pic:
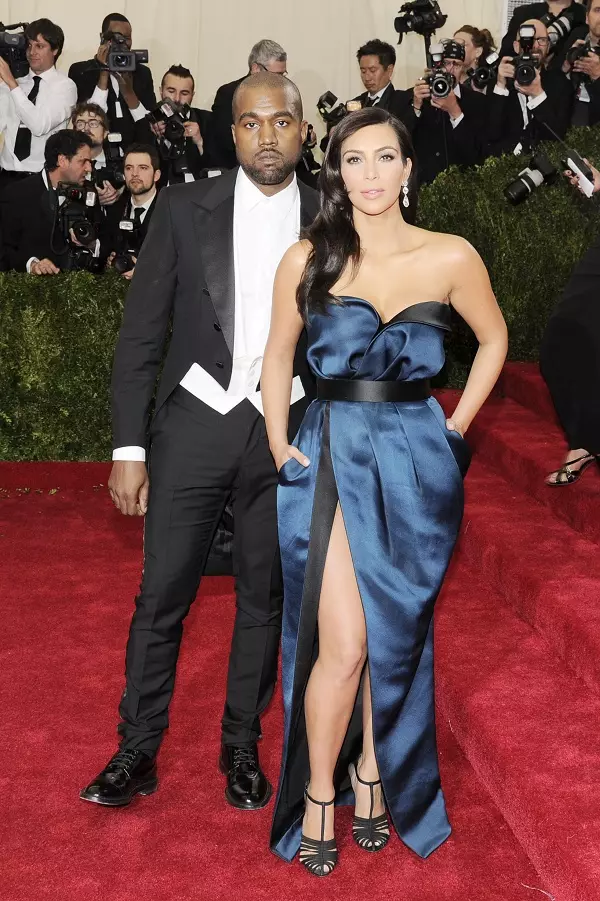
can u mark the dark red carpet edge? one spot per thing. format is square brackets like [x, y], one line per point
[71, 568]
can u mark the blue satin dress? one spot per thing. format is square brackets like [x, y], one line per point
[397, 473]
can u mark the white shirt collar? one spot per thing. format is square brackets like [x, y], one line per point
[143, 206]
[48, 75]
[379, 94]
[248, 196]
[457, 90]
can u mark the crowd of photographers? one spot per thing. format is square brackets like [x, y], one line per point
[84, 155]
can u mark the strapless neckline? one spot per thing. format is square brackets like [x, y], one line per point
[400, 313]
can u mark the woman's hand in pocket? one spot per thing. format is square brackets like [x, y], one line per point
[289, 452]
[454, 426]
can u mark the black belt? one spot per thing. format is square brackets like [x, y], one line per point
[374, 392]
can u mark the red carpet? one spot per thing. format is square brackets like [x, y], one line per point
[518, 686]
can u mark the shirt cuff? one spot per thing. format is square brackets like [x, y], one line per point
[417, 112]
[100, 97]
[30, 263]
[532, 102]
[502, 92]
[140, 112]
[458, 120]
[131, 453]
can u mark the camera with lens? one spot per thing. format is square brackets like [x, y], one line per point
[559, 26]
[129, 243]
[13, 49]
[442, 83]
[75, 221]
[112, 171]
[174, 116]
[539, 172]
[526, 64]
[580, 52]
[333, 110]
[486, 72]
[120, 57]
[422, 17]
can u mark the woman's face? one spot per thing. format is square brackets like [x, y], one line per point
[472, 53]
[373, 169]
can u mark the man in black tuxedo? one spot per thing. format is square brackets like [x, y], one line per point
[127, 97]
[28, 207]
[447, 131]
[177, 86]
[574, 11]
[208, 263]
[376, 61]
[518, 114]
[585, 73]
[265, 56]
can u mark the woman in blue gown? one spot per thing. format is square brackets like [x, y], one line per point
[371, 495]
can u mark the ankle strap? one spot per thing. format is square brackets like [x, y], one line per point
[363, 781]
[320, 803]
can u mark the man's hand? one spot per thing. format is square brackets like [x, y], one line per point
[506, 70]
[534, 89]
[192, 130]
[421, 92]
[574, 179]
[108, 195]
[6, 75]
[43, 267]
[128, 487]
[129, 275]
[589, 65]
[102, 54]
[567, 66]
[158, 129]
[125, 80]
[449, 104]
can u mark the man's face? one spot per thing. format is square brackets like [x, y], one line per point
[593, 20]
[374, 76]
[278, 67]
[75, 170]
[139, 174]
[92, 126]
[541, 45]
[123, 28]
[179, 90]
[40, 55]
[268, 138]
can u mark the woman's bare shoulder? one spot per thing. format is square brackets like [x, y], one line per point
[295, 258]
[451, 248]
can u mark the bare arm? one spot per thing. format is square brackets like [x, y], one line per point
[472, 297]
[278, 363]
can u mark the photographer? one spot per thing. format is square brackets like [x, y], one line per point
[141, 167]
[184, 149]
[582, 64]
[447, 130]
[265, 56]
[28, 208]
[376, 61]
[479, 45]
[570, 15]
[518, 111]
[125, 96]
[35, 106]
[91, 119]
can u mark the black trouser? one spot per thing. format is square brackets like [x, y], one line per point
[198, 459]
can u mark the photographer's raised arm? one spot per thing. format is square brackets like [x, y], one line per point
[144, 330]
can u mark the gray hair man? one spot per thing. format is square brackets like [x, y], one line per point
[265, 56]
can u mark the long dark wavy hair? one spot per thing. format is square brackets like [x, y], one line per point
[332, 235]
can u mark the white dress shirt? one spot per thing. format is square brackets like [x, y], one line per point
[144, 207]
[527, 103]
[453, 122]
[263, 229]
[375, 98]
[55, 101]
[101, 98]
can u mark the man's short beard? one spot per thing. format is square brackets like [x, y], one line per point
[273, 175]
[135, 192]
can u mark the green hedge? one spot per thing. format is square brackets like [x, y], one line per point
[57, 334]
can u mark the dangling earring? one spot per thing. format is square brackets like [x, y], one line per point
[406, 201]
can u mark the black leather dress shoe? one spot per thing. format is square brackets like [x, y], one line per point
[127, 774]
[247, 786]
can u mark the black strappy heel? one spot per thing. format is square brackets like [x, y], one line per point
[317, 855]
[567, 476]
[370, 833]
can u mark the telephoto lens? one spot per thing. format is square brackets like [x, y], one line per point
[540, 171]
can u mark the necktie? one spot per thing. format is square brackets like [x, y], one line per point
[137, 217]
[370, 101]
[23, 142]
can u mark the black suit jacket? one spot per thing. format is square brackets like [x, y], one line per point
[439, 145]
[85, 75]
[395, 102]
[121, 210]
[505, 124]
[536, 11]
[27, 216]
[185, 272]
[222, 110]
[196, 161]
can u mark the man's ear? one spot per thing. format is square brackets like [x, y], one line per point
[516, 47]
[157, 174]
[233, 134]
[304, 130]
